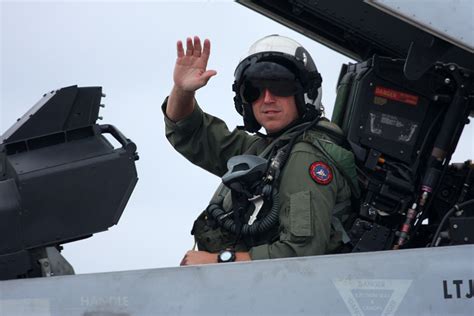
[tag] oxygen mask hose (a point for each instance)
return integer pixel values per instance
(253, 180)
(250, 184)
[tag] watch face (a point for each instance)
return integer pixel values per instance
(226, 255)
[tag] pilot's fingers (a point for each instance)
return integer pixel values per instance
(208, 74)
(207, 48)
(197, 46)
(189, 46)
(179, 49)
(183, 261)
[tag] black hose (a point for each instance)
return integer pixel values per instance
(258, 227)
(271, 219)
(266, 223)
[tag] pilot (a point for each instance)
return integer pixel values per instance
(277, 87)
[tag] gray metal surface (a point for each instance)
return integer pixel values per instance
(436, 281)
(451, 20)
(359, 29)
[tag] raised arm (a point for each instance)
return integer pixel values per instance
(189, 75)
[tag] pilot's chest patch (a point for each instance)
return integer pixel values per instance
(320, 172)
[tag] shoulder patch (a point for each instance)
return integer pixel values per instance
(320, 172)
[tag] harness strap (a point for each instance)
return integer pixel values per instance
(339, 210)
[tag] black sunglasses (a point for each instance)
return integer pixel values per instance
(251, 90)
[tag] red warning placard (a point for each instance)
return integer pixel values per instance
(396, 95)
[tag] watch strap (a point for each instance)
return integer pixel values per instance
(232, 256)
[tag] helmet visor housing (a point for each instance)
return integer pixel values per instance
(268, 75)
(251, 90)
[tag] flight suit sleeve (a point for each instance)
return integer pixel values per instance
(205, 140)
(306, 207)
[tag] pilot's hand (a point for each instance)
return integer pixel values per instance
(190, 71)
(193, 257)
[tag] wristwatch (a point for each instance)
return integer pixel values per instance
(226, 255)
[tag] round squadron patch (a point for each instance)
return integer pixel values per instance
(320, 172)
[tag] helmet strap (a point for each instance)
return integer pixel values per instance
(250, 123)
(314, 85)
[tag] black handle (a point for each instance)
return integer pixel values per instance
(126, 143)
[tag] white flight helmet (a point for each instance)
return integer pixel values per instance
(280, 63)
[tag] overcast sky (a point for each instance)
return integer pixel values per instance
(128, 48)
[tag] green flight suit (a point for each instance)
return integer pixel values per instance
(306, 207)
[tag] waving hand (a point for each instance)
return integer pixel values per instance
(190, 71)
(189, 75)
